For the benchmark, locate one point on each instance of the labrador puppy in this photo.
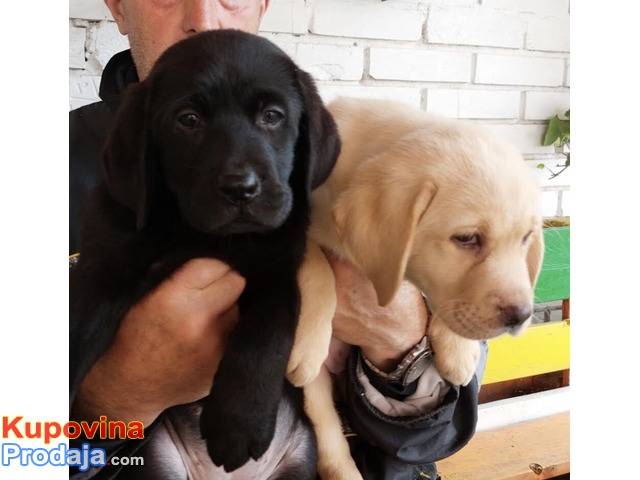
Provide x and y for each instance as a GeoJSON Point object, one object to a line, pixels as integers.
{"type": "Point", "coordinates": [441, 203]}
{"type": "Point", "coordinates": [215, 154]}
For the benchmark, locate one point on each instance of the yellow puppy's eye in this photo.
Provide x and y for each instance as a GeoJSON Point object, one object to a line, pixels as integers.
{"type": "Point", "coordinates": [471, 240]}
{"type": "Point", "coordinates": [526, 237]}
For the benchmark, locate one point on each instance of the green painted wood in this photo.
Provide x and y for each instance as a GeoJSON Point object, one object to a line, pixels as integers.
{"type": "Point", "coordinates": [554, 280]}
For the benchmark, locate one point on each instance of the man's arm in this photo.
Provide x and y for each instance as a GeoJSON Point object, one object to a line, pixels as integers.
{"type": "Point", "coordinates": [400, 431]}
{"type": "Point", "coordinates": [167, 348]}
{"type": "Point", "coordinates": [385, 334]}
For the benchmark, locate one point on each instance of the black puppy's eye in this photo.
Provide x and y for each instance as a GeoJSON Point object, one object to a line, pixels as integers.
{"type": "Point", "coordinates": [272, 117]}
{"type": "Point", "coordinates": [471, 240]}
{"type": "Point", "coordinates": [189, 119]}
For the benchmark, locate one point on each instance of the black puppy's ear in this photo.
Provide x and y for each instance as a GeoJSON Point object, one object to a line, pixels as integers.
{"type": "Point", "coordinates": [324, 142]}
{"type": "Point", "coordinates": [127, 168]}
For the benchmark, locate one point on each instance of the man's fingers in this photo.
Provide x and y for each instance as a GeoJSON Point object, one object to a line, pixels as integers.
{"type": "Point", "coordinates": [199, 291]}
{"type": "Point", "coordinates": [199, 273]}
{"type": "Point", "coordinates": [216, 286]}
{"type": "Point", "coordinates": [221, 295]}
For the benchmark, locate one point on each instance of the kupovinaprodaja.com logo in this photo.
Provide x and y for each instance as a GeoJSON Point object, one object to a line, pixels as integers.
{"type": "Point", "coordinates": [62, 455]}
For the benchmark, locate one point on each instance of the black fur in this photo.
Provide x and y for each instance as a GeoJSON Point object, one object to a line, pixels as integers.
{"type": "Point", "coordinates": [234, 186]}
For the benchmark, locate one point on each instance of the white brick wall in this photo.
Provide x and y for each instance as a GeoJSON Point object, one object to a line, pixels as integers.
{"type": "Point", "coordinates": [77, 38]}
{"type": "Point", "coordinates": [548, 33]}
{"type": "Point", "coordinates": [83, 90]}
{"type": "Point", "coordinates": [331, 62]}
{"type": "Point", "coordinates": [475, 26]}
{"type": "Point", "coordinates": [477, 104]}
{"type": "Point", "coordinates": [540, 7]}
{"type": "Point", "coordinates": [504, 63]}
{"type": "Point", "coordinates": [419, 65]}
{"type": "Point", "coordinates": [527, 138]}
{"type": "Point", "coordinates": [544, 105]}
{"type": "Point", "coordinates": [519, 70]}
{"type": "Point", "coordinates": [89, 10]}
{"type": "Point", "coordinates": [409, 95]}
{"type": "Point", "coordinates": [390, 20]}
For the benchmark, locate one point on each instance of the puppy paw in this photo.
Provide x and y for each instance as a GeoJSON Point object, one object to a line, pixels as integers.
{"type": "Point", "coordinates": [234, 437]}
{"type": "Point", "coordinates": [339, 468]}
{"type": "Point", "coordinates": [458, 361]}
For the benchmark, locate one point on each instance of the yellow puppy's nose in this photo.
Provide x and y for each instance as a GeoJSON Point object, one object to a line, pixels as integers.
{"type": "Point", "coordinates": [515, 315]}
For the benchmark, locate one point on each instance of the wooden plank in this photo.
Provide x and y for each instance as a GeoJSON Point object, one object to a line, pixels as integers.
{"type": "Point", "coordinates": [538, 449]}
{"type": "Point", "coordinates": [554, 280]}
{"type": "Point", "coordinates": [566, 308]}
{"type": "Point", "coordinates": [522, 386]}
{"type": "Point", "coordinates": [524, 408]}
{"type": "Point", "coordinates": [556, 222]}
{"type": "Point", "coordinates": [542, 348]}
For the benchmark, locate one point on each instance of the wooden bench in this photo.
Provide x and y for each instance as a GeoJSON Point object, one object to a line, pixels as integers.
{"type": "Point", "coordinates": [523, 426]}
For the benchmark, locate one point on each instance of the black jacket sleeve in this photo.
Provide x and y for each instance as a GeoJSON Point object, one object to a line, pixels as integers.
{"type": "Point", "coordinates": [88, 128]}
{"type": "Point", "coordinates": [401, 448]}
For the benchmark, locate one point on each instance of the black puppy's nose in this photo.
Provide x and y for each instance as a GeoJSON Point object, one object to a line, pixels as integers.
{"type": "Point", "coordinates": [515, 315]}
{"type": "Point", "coordinates": [240, 187]}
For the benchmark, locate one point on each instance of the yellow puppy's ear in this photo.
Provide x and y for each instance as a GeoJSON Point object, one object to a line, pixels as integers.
{"type": "Point", "coordinates": [534, 257]}
{"type": "Point", "coordinates": [376, 219]}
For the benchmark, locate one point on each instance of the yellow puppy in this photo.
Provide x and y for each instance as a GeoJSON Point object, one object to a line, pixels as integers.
{"type": "Point", "coordinates": [442, 203]}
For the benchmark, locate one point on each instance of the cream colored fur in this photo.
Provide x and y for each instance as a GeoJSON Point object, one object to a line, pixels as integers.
{"type": "Point", "coordinates": [407, 185]}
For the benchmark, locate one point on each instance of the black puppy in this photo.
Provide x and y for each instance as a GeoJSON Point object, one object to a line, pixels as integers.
{"type": "Point", "coordinates": [213, 155]}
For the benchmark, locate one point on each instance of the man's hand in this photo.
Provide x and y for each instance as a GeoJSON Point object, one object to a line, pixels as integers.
{"type": "Point", "coordinates": [167, 348]}
{"type": "Point", "coordinates": [385, 334]}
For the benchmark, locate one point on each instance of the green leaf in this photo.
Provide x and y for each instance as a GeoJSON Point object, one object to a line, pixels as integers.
{"type": "Point", "coordinates": [564, 129]}
{"type": "Point", "coordinates": [558, 132]}
{"type": "Point", "coordinates": [540, 166]}
{"type": "Point", "coordinates": [553, 131]}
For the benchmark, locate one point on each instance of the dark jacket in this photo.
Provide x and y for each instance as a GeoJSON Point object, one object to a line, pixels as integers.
{"type": "Point", "coordinates": [385, 448]}
{"type": "Point", "coordinates": [88, 127]}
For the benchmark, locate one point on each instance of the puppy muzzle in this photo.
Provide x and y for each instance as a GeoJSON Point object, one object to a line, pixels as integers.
{"type": "Point", "coordinates": [515, 315]}
{"type": "Point", "coordinates": [240, 188]}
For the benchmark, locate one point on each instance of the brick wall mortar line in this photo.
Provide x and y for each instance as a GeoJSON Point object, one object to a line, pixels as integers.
{"type": "Point", "coordinates": [473, 69]}
{"type": "Point", "coordinates": [425, 33]}
{"type": "Point", "coordinates": [311, 12]}
{"type": "Point", "coordinates": [417, 44]}
{"type": "Point", "coordinates": [372, 82]}
{"type": "Point", "coordinates": [366, 65]}
{"type": "Point", "coordinates": [382, 43]}
{"type": "Point", "coordinates": [555, 188]}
